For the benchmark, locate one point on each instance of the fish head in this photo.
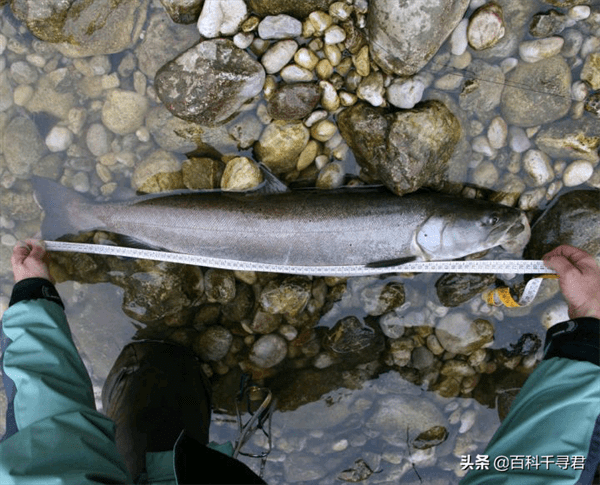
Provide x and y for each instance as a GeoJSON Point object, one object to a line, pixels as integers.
{"type": "Point", "coordinates": [477, 227]}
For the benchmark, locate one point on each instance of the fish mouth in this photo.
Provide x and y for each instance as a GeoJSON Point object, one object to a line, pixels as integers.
{"type": "Point", "coordinates": [517, 236]}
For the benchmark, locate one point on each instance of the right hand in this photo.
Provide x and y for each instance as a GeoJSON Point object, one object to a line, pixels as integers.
{"type": "Point", "coordinates": [579, 279]}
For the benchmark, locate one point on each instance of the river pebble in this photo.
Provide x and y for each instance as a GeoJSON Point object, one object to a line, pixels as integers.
{"type": "Point", "coordinates": [221, 17]}
{"type": "Point", "coordinates": [334, 35]}
{"type": "Point", "coordinates": [241, 174]}
{"type": "Point", "coordinates": [123, 111]}
{"type": "Point", "coordinates": [518, 140]}
{"type": "Point", "coordinates": [536, 50]}
{"type": "Point", "coordinates": [591, 70]}
{"type": "Point", "coordinates": [279, 55]}
{"type": "Point", "coordinates": [268, 351]}
{"type": "Point", "coordinates": [458, 38]}
{"type": "Point", "coordinates": [486, 27]}
{"type": "Point", "coordinates": [306, 58]}
{"type": "Point", "coordinates": [497, 133]}
{"type": "Point", "coordinates": [279, 27]}
{"type": "Point", "coordinates": [59, 139]}
{"type": "Point", "coordinates": [214, 343]}
{"type": "Point", "coordinates": [579, 12]}
{"type": "Point", "coordinates": [406, 94]}
{"type": "Point", "coordinates": [578, 173]}
{"type": "Point", "coordinates": [537, 166]}
{"type": "Point", "coordinates": [371, 89]}
{"type": "Point", "coordinates": [331, 176]}
{"type": "Point", "coordinates": [295, 74]}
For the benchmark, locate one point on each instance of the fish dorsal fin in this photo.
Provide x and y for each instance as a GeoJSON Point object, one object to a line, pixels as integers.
{"type": "Point", "coordinates": [271, 184]}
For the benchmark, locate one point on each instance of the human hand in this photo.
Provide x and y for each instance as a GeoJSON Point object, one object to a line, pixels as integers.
{"type": "Point", "coordinates": [30, 260]}
{"type": "Point", "coordinates": [579, 279]}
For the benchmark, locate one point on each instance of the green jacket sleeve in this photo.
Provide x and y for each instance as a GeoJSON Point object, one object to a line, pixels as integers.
{"type": "Point", "coordinates": [61, 438]}
{"type": "Point", "coordinates": [552, 431]}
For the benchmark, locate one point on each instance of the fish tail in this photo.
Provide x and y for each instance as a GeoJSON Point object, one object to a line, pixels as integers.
{"type": "Point", "coordinates": [66, 211]}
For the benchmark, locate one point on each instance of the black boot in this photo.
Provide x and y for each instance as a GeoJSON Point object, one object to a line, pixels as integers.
{"type": "Point", "coordinates": [153, 392]}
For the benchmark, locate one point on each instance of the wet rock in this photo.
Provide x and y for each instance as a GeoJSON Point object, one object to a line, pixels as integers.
{"type": "Point", "coordinates": [331, 176]}
{"type": "Point", "coordinates": [265, 322]}
{"type": "Point", "coordinates": [547, 98]}
{"type": "Point", "coordinates": [527, 344]}
{"type": "Point", "coordinates": [219, 285]}
{"type": "Point", "coordinates": [268, 351]}
{"type": "Point", "coordinates": [591, 70]}
{"type": "Point", "coordinates": [241, 306]}
{"type": "Point", "coordinates": [405, 150]}
{"type": "Point", "coordinates": [453, 289]}
{"type": "Point", "coordinates": [297, 9]}
{"type": "Point", "coordinates": [481, 97]}
{"type": "Point", "coordinates": [422, 358]}
{"type": "Point", "coordinates": [432, 437]}
{"type": "Point", "coordinates": [183, 11]}
{"type": "Point", "coordinates": [163, 41]}
{"type": "Point", "coordinates": [406, 94]}
{"type": "Point", "coordinates": [6, 92]}
{"type": "Point", "coordinates": [221, 17]}
{"type": "Point", "coordinates": [202, 173]}
{"type": "Point", "coordinates": [288, 297]}
{"type": "Point", "coordinates": [21, 206]}
{"type": "Point", "coordinates": [214, 343]}
{"type": "Point", "coordinates": [404, 36]}
{"type": "Point", "coordinates": [351, 336]}
{"type": "Point", "coordinates": [574, 219]}
{"type": "Point", "coordinates": [172, 133]}
{"type": "Point", "coordinates": [536, 50]}
{"type": "Point", "coordinates": [397, 417]}
{"type": "Point", "coordinates": [52, 94]}
{"type": "Point", "coordinates": [547, 23]}
{"type": "Point", "coordinates": [84, 29]}
{"type": "Point", "coordinates": [97, 140]}
{"type": "Point", "coordinates": [577, 173]}
{"type": "Point", "coordinates": [23, 146]}
{"type": "Point", "coordinates": [592, 104]}
{"type": "Point", "coordinates": [371, 89]}
{"type": "Point", "coordinates": [123, 111]}
{"type": "Point", "coordinates": [457, 368]}
{"type": "Point", "coordinates": [241, 174]}
{"type": "Point", "coordinates": [280, 145]}
{"type": "Point", "coordinates": [536, 165]}
{"type": "Point", "coordinates": [571, 139]}
{"type": "Point", "coordinates": [279, 27]}
{"type": "Point", "coordinates": [380, 298]}
{"type": "Point", "coordinates": [294, 101]}
{"type": "Point", "coordinates": [360, 471]}
{"type": "Point", "coordinates": [459, 334]}
{"type": "Point", "coordinates": [209, 82]}
{"type": "Point", "coordinates": [159, 172]}
{"type": "Point", "coordinates": [154, 295]}
{"type": "Point", "coordinates": [279, 55]}
{"type": "Point", "coordinates": [302, 468]}
{"type": "Point", "coordinates": [486, 26]}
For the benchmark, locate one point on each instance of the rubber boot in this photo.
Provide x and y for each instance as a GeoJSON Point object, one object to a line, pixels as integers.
{"type": "Point", "coordinates": [153, 392]}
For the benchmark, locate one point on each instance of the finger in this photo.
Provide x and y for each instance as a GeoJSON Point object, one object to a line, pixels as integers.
{"type": "Point", "coordinates": [566, 251]}
{"type": "Point", "coordinates": [37, 252]}
{"type": "Point", "coordinates": [20, 252]}
{"type": "Point", "coordinates": [36, 242]}
{"type": "Point", "coordinates": [560, 264]}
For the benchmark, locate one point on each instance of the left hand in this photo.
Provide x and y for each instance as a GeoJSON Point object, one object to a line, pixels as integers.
{"type": "Point", "coordinates": [30, 260]}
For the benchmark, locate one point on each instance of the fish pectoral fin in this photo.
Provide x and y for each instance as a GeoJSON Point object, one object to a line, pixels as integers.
{"type": "Point", "coordinates": [137, 244]}
{"type": "Point", "coordinates": [390, 262]}
{"type": "Point", "coordinates": [271, 184]}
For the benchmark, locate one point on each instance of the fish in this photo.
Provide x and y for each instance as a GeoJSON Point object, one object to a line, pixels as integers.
{"type": "Point", "coordinates": [364, 226]}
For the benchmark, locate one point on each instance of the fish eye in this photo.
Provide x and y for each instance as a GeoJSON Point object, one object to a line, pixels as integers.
{"type": "Point", "coordinates": [491, 220]}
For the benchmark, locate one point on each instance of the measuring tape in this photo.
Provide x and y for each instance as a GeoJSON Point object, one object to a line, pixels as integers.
{"type": "Point", "coordinates": [495, 297]}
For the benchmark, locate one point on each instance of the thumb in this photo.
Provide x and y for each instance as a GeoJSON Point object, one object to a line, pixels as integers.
{"type": "Point", "coordinates": [37, 252]}
{"type": "Point", "coordinates": [560, 264]}
{"type": "Point", "coordinates": [20, 252]}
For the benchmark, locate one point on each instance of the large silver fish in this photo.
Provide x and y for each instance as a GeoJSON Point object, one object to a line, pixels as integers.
{"type": "Point", "coordinates": [358, 226]}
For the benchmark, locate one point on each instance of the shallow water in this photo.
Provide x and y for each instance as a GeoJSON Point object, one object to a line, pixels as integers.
{"type": "Point", "coordinates": [316, 442]}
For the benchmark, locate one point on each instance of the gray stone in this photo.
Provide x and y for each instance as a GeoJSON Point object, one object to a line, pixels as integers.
{"type": "Point", "coordinates": [294, 101]}
{"type": "Point", "coordinates": [453, 289]}
{"type": "Point", "coordinates": [288, 297]}
{"type": "Point", "coordinates": [209, 82]}
{"type": "Point", "coordinates": [23, 146]}
{"type": "Point", "coordinates": [405, 35]}
{"type": "Point", "coordinates": [397, 417]}
{"type": "Point", "coordinates": [53, 94]}
{"type": "Point", "coordinates": [268, 351]}
{"type": "Point", "coordinates": [405, 150]}
{"type": "Point", "coordinates": [97, 140]}
{"type": "Point", "coordinates": [172, 133]}
{"type": "Point", "coordinates": [214, 343]}
{"type": "Point", "coordinates": [481, 93]}
{"type": "Point", "coordinates": [6, 92]}
{"type": "Point", "coordinates": [219, 285]}
{"type": "Point", "coordinates": [84, 28]}
{"type": "Point", "coordinates": [183, 11]}
{"type": "Point", "coordinates": [279, 27]}
{"type": "Point", "coordinates": [422, 358]}
{"type": "Point", "coordinates": [163, 41]}
{"type": "Point", "coordinates": [571, 139]}
{"type": "Point", "coordinates": [459, 334]}
{"type": "Point", "coordinates": [295, 8]}
{"type": "Point", "coordinates": [123, 111]}
{"type": "Point", "coordinates": [302, 468]}
{"type": "Point", "coordinates": [547, 23]}
{"type": "Point", "coordinates": [537, 93]}
{"type": "Point", "coordinates": [20, 206]}
{"type": "Point", "coordinates": [574, 219]}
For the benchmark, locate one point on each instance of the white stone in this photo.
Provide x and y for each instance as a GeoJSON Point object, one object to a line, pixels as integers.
{"type": "Point", "coordinates": [537, 165]}
{"type": "Point", "coordinates": [458, 39]}
{"type": "Point", "coordinates": [329, 96]}
{"type": "Point", "coordinates": [531, 199]}
{"type": "Point", "coordinates": [509, 64]}
{"type": "Point", "coordinates": [296, 74]}
{"type": "Point", "coordinates": [59, 139]}
{"type": "Point", "coordinates": [535, 50]}
{"type": "Point", "coordinates": [279, 55]}
{"type": "Point", "coordinates": [497, 133]}
{"type": "Point", "coordinates": [449, 82]}
{"type": "Point", "coordinates": [371, 89]}
{"type": "Point", "coordinates": [405, 94]}
{"type": "Point", "coordinates": [579, 90]}
{"type": "Point", "coordinates": [467, 420]}
{"type": "Point", "coordinates": [3, 43]}
{"type": "Point", "coordinates": [579, 12]}
{"type": "Point", "coordinates": [279, 27]}
{"type": "Point", "coordinates": [334, 35]}
{"type": "Point", "coordinates": [485, 175]}
{"type": "Point", "coordinates": [221, 17]}
{"type": "Point", "coordinates": [340, 10]}
{"type": "Point", "coordinates": [578, 173]}
{"type": "Point", "coordinates": [306, 58]}
{"type": "Point", "coordinates": [314, 117]}
{"type": "Point", "coordinates": [243, 40]}
{"type": "Point", "coordinates": [340, 445]}
{"type": "Point", "coordinates": [517, 139]}
{"type": "Point", "coordinates": [480, 144]}
{"type": "Point", "coordinates": [321, 21]}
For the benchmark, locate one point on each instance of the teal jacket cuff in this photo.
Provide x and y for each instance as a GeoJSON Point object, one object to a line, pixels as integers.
{"type": "Point", "coordinates": [35, 289]}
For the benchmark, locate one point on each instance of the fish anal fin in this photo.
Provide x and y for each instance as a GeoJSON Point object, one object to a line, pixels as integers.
{"type": "Point", "coordinates": [391, 262]}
